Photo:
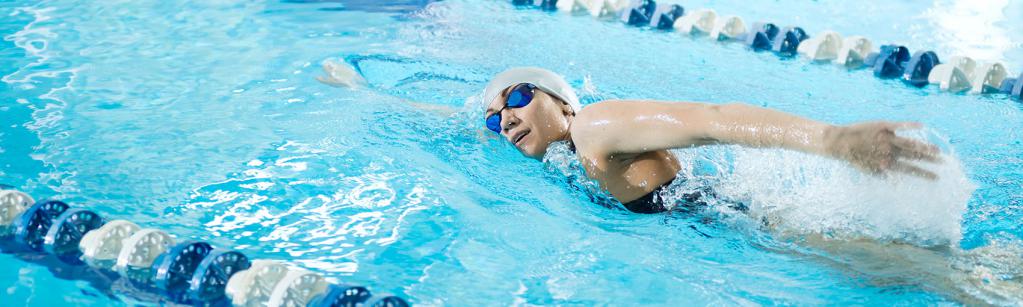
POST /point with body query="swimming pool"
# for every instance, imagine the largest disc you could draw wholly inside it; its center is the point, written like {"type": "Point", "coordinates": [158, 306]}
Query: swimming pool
{"type": "Point", "coordinates": [204, 119]}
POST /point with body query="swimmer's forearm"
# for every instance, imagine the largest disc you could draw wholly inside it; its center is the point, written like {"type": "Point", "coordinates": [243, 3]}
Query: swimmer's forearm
{"type": "Point", "coordinates": [753, 126]}
{"type": "Point", "coordinates": [630, 127]}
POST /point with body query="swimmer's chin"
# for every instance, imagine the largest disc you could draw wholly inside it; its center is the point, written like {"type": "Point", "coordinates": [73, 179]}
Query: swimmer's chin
{"type": "Point", "coordinates": [532, 151]}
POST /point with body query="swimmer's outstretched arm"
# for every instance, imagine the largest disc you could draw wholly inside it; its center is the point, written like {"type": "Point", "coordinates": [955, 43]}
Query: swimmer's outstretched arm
{"type": "Point", "coordinates": [340, 74]}
{"type": "Point", "coordinates": [619, 128]}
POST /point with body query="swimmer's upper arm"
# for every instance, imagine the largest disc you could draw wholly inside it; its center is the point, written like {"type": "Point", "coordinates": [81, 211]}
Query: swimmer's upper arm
{"type": "Point", "coordinates": [625, 126]}
{"type": "Point", "coordinates": [638, 126]}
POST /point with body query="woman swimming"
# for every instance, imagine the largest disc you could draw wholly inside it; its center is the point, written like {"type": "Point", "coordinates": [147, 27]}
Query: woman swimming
{"type": "Point", "coordinates": [623, 144]}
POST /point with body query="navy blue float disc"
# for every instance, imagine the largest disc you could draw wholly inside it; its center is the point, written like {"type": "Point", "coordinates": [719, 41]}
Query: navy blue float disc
{"type": "Point", "coordinates": [891, 61]}
{"type": "Point", "coordinates": [1017, 88]}
{"type": "Point", "coordinates": [760, 36]}
{"type": "Point", "coordinates": [31, 227]}
{"type": "Point", "coordinates": [919, 68]}
{"type": "Point", "coordinates": [341, 296]}
{"type": "Point", "coordinates": [665, 15]}
{"type": "Point", "coordinates": [66, 232]}
{"type": "Point", "coordinates": [639, 13]}
{"type": "Point", "coordinates": [174, 269]}
{"type": "Point", "coordinates": [548, 5]}
{"type": "Point", "coordinates": [390, 301]}
{"type": "Point", "coordinates": [210, 278]}
{"type": "Point", "coordinates": [1007, 85]}
{"type": "Point", "coordinates": [788, 41]}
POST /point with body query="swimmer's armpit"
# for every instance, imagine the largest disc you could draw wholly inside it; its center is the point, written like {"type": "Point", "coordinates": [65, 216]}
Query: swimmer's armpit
{"type": "Point", "coordinates": [340, 74]}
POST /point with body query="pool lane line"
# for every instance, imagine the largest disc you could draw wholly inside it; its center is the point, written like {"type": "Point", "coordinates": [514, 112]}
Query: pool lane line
{"type": "Point", "coordinates": [892, 61]}
{"type": "Point", "coordinates": [148, 263]}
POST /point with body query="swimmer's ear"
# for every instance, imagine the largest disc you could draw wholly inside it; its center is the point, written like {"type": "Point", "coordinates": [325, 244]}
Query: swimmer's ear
{"type": "Point", "coordinates": [565, 108]}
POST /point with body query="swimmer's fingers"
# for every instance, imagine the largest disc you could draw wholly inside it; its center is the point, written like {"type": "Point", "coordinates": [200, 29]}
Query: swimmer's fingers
{"type": "Point", "coordinates": [916, 150]}
{"type": "Point", "coordinates": [329, 81]}
{"type": "Point", "coordinates": [914, 170]}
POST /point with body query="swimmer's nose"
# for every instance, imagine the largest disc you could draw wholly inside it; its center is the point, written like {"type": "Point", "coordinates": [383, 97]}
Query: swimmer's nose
{"type": "Point", "coordinates": [509, 120]}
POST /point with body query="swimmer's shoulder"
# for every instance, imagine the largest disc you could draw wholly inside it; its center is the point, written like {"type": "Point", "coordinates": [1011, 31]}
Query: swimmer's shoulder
{"type": "Point", "coordinates": [591, 126]}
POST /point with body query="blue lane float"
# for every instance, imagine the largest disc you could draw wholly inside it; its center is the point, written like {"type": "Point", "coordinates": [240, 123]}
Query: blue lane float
{"type": "Point", "coordinates": [788, 41]}
{"type": "Point", "coordinates": [546, 5]}
{"type": "Point", "coordinates": [1017, 89]}
{"type": "Point", "coordinates": [665, 15]}
{"type": "Point", "coordinates": [67, 231]}
{"type": "Point", "coordinates": [80, 244]}
{"type": "Point", "coordinates": [761, 36]}
{"type": "Point", "coordinates": [175, 268]}
{"type": "Point", "coordinates": [388, 301]}
{"type": "Point", "coordinates": [639, 13]}
{"type": "Point", "coordinates": [338, 295]}
{"type": "Point", "coordinates": [1013, 87]}
{"type": "Point", "coordinates": [212, 274]}
{"type": "Point", "coordinates": [890, 62]}
{"type": "Point", "coordinates": [31, 228]}
{"type": "Point", "coordinates": [919, 68]}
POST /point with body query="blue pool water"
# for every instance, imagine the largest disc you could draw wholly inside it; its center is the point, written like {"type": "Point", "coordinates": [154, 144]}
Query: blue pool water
{"type": "Point", "coordinates": [205, 119]}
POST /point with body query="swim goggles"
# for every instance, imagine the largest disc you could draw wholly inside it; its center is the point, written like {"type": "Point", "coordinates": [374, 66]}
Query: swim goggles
{"type": "Point", "coordinates": [520, 96]}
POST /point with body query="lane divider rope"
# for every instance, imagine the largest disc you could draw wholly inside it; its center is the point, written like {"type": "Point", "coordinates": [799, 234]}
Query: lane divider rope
{"type": "Point", "coordinates": [151, 260]}
{"type": "Point", "coordinates": [960, 74]}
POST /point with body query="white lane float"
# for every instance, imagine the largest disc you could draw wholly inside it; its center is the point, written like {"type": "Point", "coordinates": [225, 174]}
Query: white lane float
{"type": "Point", "coordinates": [854, 51]}
{"type": "Point", "coordinates": [138, 251]}
{"type": "Point", "coordinates": [600, 8]}
{"type": "Point", "coordinates": [823, 47]}
{"type": "Point", "coordinates": [12, 204]}
{"type": "Point", "coordinates": [101, 247]}
{"type": "Point", "coordinates": [698, 22]}
{"type": "Point", "coordinates": [953, 76]}
{"type": "Point", "coordinates": [253, 287]}
{"type": "Point", "coordinates": [569, 6]}
{"type": "Point", "coordinates": [988, 78]}
{"type": "Point", "coordinates": [728, 28]}
{"type": "Point", "coordinates": [297, 288]}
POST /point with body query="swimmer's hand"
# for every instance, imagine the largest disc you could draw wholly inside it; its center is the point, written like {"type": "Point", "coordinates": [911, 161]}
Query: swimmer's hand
{"type": "Point", "coordinates": [340, 74]}
{"type": "Point", "coordinates": [874, 148]}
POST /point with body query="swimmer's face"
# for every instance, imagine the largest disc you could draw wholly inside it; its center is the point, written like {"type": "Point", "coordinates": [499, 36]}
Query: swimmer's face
{"type": "Point", "coordinates": [534, 127]}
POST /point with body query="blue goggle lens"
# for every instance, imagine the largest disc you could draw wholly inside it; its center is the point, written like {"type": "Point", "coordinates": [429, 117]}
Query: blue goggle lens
{"type": "Point", "coordinates": [494, 123]}
{"type": "Point", "coordinates": [519, 97]}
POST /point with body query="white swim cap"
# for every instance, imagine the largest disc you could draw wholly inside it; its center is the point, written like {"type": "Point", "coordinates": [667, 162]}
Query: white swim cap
{"type": "Point", "coordinates": [546, 80]}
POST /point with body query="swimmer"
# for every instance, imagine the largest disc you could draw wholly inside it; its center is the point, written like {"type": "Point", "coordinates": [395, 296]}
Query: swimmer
{"type": "Point", "coordinates": [623, 144]}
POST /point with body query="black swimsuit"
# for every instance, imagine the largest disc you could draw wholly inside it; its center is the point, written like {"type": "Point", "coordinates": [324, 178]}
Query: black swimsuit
{"type": "Point", "coordinates": [653, 203]}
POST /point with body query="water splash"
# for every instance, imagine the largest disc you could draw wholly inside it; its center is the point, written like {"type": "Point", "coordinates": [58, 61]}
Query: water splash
{"type": "Point", "coordinates": [804, 194]}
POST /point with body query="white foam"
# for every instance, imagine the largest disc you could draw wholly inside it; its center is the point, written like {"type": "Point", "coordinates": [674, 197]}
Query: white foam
{"type": "Point", "coordinates": [798, 193]}
{"type": "Point", "coordinates": [802, 194]}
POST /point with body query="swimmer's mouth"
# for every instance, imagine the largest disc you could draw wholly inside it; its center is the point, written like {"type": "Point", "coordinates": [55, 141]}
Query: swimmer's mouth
{"type": "Point", "coordinates": [519, 136]}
